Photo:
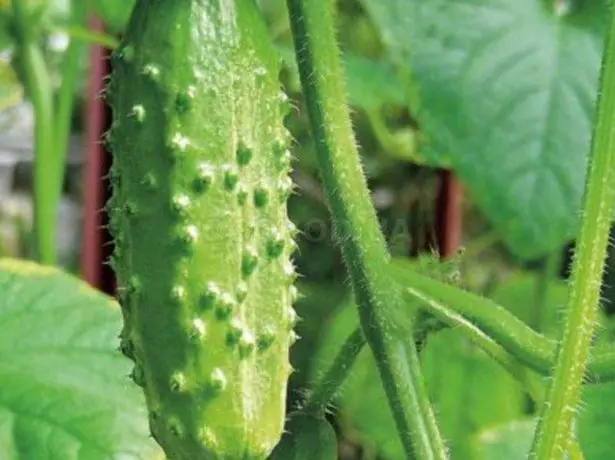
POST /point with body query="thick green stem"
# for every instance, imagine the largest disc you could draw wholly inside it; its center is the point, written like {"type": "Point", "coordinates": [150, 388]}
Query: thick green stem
{"type": "Point", "coordinates": [64, 109]}
{"type": "Point", "coordinates": [318, 401]}
{"type": "Point", "coordinates": [555, 428]}
{"type": "Point", "coordinates": [362, 242]}
{"type": "Point", "coordinates": [39, 90]}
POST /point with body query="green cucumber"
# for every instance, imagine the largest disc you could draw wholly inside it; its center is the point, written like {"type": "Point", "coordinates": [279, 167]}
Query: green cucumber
{"type": "Point", "coordinates": [200, 182]}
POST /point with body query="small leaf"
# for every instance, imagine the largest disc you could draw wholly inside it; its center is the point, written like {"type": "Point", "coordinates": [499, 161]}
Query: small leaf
{"type": "Point", "coordinates": [64, 388]}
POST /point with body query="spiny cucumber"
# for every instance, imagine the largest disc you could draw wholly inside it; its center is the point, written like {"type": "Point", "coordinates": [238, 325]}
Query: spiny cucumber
{"type": "Point", "coordinates": [200, 182]}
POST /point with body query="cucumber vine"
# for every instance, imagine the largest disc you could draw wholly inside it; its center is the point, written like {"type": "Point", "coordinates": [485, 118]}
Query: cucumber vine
{"type": "Point", "coordinates": [359, 235]}
{"type": "Point", "coordinates": [513, 344]}
{"type": "Point", "coordinates": [52, 116]}
{"type": "Point", "coordinates": [555, 426]}
{"type": "Point", "coordinates": [203, 241]}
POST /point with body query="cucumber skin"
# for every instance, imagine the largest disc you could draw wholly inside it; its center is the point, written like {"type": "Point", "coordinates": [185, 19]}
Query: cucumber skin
{"type": "Point", "coordinates": [200, 180]}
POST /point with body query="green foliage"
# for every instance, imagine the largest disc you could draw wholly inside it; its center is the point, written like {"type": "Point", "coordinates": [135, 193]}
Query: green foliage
{"type": "Point", "coordinates": [307, 437]}
{"type": "Point", "coordinates": [505, 90]}
{"type": "Point", "coordinates": [10, 89]}
{"type": "Point", "coordinates": [501, 92]}
{"type": "Point", "coordinates": [114, 13]}
{"type": "Point", "coordinates": [64, 386]}
{"type": "Point", "coordinates": [203, 242]}
{"type": "Point", "coordinates": [471, 392]}
{"type": "Point", "coordinates": [370, 83]}
{"type": "Point", "coordinates": [520, 296]}
{"type": "Point", "coordinates": [511, 441]}
{"type": "Point", "coordinates": [464, 391]}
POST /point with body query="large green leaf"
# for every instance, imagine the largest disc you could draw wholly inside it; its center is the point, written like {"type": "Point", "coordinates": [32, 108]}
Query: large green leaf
{"type": "Point", "coordinates": [64, 388]}
{"type": "Point", "coordinates": [505, 89]}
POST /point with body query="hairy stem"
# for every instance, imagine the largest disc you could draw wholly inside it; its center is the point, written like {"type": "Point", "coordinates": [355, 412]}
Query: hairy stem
{"type": "Point", "coordinates": [462, 309]}
{"type": "Point", "coordinates": [64, 109]}
{"type": "Point", "coordinates": [39, 90]}
{"type": "Point", "coordinates": [555, 428]}
{"type": "Point", "coordinates": [362, 243]}
{"type": "Point", "coordinates": [330, 383]}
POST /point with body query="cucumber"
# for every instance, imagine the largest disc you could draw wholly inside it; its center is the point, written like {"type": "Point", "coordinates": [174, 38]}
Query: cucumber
{"type": "Point", "coordinates": [203, 244]}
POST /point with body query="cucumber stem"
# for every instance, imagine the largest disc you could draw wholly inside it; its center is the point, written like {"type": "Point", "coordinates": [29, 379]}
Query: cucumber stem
{"type": "Point", "coordinates": [318, 401]}
{"type": "Point", "coordinates": [362, 243]}
{"type": "Point", "coordinates": [64, 108]}
{"type": "Point", "coordinates": [39, 90]}
{"type": "Point", "coordinates": [554, 432]}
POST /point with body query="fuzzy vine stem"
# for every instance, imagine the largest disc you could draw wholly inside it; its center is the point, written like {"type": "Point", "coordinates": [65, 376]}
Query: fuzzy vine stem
{"type": "Point", "coordinates": [362, 243]}
{"type": "Point", "coordinates": [38, 87]}
{"type": "Point", "coordinates": [318, 401]}
{"type": "Point", "coordinates": [65, 99]}
{"type": "Point", "coordinates": [555, 427]}
{"type": "Point", "coordinates": [465, 310]}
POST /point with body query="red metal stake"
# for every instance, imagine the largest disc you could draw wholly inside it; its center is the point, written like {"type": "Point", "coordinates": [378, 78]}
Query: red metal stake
{"type": "Point", "coordinates": [96, 248]}
{"type": "Point", "coordinates": [449, 223]}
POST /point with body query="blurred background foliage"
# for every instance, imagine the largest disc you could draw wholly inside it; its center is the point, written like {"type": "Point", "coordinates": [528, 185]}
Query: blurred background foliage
{"type": "Point", "coordinates": [501, 92]}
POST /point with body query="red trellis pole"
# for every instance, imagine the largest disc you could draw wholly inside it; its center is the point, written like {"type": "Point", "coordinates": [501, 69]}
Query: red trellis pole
{"type": "Point", "coordinates": [449, 222]}
{"type": "Point", "coordinates": [95, 239]}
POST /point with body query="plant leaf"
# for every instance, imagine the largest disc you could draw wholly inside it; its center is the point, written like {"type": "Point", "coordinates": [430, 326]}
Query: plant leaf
{"type": "Point", "coordinates": [64, 389]}
{"type": "Point", "coordinates": [518, 295]}
{"type": "Point", "coordinates": [505, 89]}
{"type": "Point", "coordinates": [306, 437]}
{"type": "Point", "coordinates": [597, 422]}
{"type": "Point", "coordinates": [363, 404]}
{"type": "Point", "coordinates": [114, 13]}
{"type": "Point", "coordinates": [512, 441]}
{"type": "Point", "coordinates": [467, 388]}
